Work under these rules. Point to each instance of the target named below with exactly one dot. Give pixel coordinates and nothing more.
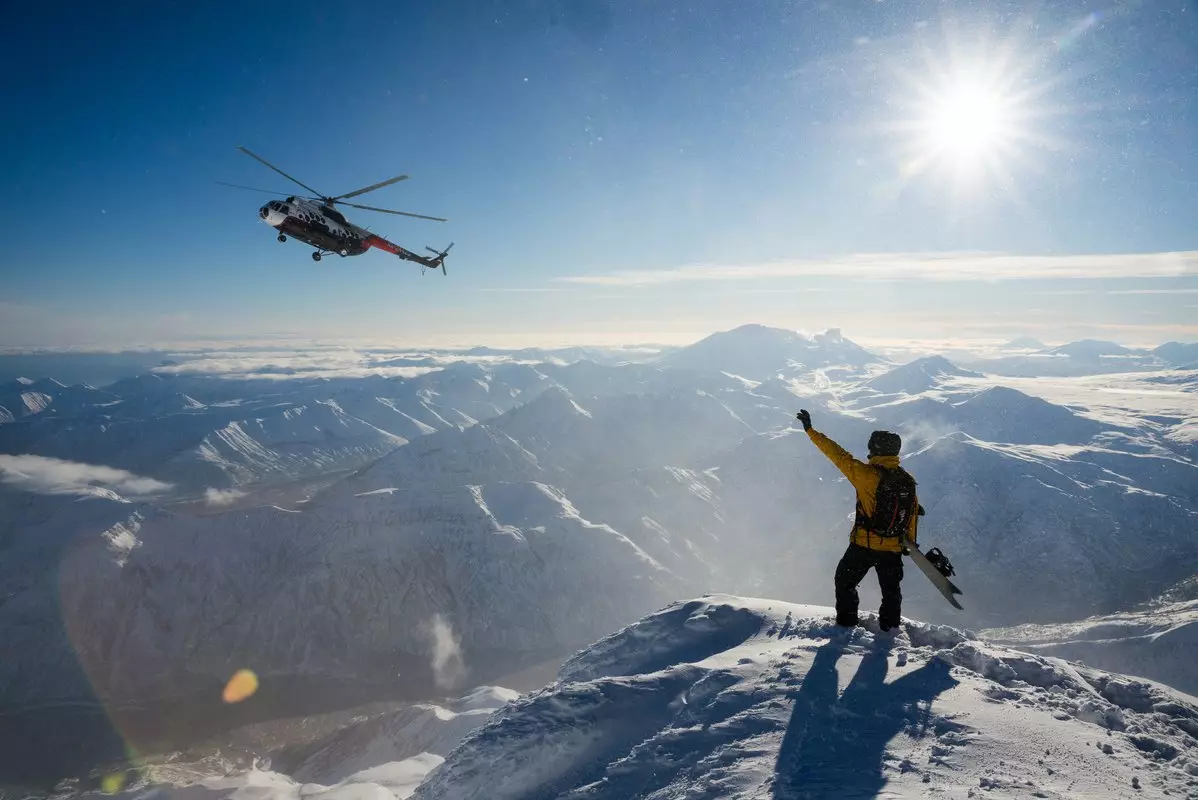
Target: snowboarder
(887, 508)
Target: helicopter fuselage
(316, 224)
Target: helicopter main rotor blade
(276, 169)
(252, 188)
(399, 213)
(388, 182)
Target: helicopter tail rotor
(438, 259)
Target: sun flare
(971, 117)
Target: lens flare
(241, 686)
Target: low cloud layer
(920, 266)
(311, 364)
(43, 475)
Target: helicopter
(315, 221)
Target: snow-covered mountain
(1005, 477)
(994, 414)
(1090, 349)
(22, 398)
(759, 352)
(732, 697)
(557, 440)
(200, 432)
(917, 376)
(1085, 357)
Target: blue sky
(610, 171)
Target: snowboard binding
(940, 562)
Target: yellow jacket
(865, 479)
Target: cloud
(295, 364)
(43, 475)
(1153, 291)
(918, 266)
(222, 497)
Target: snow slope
(727, 697)
(1158, 640)
(556, 439)
(283, 443)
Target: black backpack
(894, 505)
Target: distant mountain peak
(1177, 353)
(918, 376)
(760, 352)
(1025, 343)
(1091, 348)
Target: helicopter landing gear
(343, 252)
(282, 238)
(316, 256)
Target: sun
(970, 117)
(968, 124)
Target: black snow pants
(857, 561)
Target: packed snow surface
(727, 697)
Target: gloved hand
(804, 417)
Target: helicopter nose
(272, 216)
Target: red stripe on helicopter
(382, 244)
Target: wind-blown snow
(735, 698)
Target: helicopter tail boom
(437, 260)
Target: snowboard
(938, 579)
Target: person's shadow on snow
(835, 747)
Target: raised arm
(853, 469)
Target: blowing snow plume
(448, 661)
(43, 475)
